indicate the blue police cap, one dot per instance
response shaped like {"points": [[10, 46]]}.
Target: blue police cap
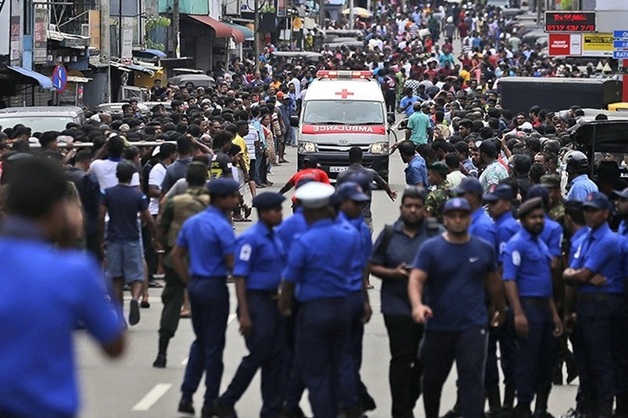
{"points": [[500, 192], [222, 187], [457, 203], [351, 191], [596, 200], [268, 200], [469, 185]]}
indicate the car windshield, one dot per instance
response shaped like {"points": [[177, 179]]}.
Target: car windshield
{"points": [[343, 112], [41, 123]]}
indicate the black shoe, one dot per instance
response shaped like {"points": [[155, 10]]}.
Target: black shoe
{"points": [[292, 413], [367, 403], [543, 414], [155, 284], [186, 406], [222, 410], [160, 361], [144, 304], [134, 313], [453, 413]]}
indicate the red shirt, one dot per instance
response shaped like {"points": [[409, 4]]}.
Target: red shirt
{"points": [[315, 174]]}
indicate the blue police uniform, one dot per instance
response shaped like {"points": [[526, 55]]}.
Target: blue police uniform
{"points": [[416, 172], [581, 186], [289, 230], [506, 226], [260, 259], [623, 228], [208, 238], [482, 226], [601, 316], [322, 277], [527, 261], [552, 236], [45, 292], [356, 302]]}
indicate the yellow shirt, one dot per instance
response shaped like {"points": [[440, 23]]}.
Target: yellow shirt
{"points": [[239, 141], [466, 75]]}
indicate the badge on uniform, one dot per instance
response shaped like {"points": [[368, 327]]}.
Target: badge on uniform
{"points": [[516, 258], [245, 252]]}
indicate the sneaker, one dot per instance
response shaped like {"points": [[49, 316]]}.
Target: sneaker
{"points": [[186, 406], [160, 361], [367, 403], [134, 313]]}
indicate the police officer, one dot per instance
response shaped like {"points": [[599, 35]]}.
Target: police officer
{"points": [[596, 304], [622, 210], [481, 224], [450, 299], [528, 284], [393, 254], [577, 169], [176, 211], [320, 273], [556, 209], [259, 261], [438, 194], [207, 239], [350, 199], [499, 203], [552, 233]]}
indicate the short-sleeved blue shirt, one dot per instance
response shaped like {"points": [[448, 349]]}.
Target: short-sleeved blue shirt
{"points": [[44, 293], [320, 269], [623, 228], [209, 238], [552, 235], [416, 172], [581, 186], [292, 228], [576, 243], [601, 252], [482, 226], [359, 263], [506, 227], [454, 289], [260, 258], [123, 203], [527, 261]]}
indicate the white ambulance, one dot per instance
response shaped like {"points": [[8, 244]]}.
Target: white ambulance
{"points": [[340, 110]]}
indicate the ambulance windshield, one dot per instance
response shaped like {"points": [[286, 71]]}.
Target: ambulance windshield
{"points": [[343, 112]]}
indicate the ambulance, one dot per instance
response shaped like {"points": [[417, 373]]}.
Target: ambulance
{"points": [[340, 110]]}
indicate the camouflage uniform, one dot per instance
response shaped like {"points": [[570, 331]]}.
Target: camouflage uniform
{"points": [[557, 212], [178, 209], [436, 200]]}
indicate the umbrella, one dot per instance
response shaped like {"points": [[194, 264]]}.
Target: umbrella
{"points": [[358, 11]]}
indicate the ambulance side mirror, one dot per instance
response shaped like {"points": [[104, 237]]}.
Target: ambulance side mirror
{"points": [[391, 118], [294, 121]]}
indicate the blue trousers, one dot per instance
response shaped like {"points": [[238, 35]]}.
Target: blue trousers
{"points": [[323, 326], [293, 387], [438, 351], [536, 355], [353, 362], [209, 302], [505, 336], [601, 357], [266, 351]]}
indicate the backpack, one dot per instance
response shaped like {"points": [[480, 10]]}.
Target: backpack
{"points": [[431, 228]]}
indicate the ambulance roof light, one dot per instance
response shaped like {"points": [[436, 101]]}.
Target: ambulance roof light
{"points": [[344, 74]]}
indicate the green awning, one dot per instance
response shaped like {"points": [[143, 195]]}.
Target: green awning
{"points": [[248, 33]]}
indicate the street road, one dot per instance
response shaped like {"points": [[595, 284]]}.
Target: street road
{"points": [[131, 387]]}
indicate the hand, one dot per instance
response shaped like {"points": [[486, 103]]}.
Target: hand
{"points": [[156, 245], [569, 322], [368, 312], [598, 280], [393, 195], [401, 272], [498, 318], [521, 326], [558, 327], [245, 325], [421, 314]]}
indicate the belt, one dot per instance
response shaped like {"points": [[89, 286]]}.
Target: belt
{"points": [[272, 294], [537, 301], [597, 297], [199, 277]]}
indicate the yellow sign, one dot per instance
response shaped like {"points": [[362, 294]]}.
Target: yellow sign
{"points": [[597, 44], [94, 28]]}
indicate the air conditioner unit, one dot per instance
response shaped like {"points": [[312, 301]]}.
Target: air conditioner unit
{"points": [[232, 7]]}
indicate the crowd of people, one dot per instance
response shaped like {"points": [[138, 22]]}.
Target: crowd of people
{"points": [[502, 237]]}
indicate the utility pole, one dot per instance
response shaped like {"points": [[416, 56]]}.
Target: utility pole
{"points": [[256, 37], [175, 27], [105, 46], [351, 16], [321, 15]]}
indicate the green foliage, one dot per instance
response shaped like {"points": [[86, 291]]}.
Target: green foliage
{"points": [[151, 25]]}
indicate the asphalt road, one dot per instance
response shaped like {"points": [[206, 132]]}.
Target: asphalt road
{"points": [[131, 387]]}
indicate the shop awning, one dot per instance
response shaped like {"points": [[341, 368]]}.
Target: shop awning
{"points": [[249, 35], [150, 53], [69, 40], [43, 80], [223, 30]]}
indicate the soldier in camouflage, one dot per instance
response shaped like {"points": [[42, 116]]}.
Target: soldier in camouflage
{"points": [[557, 209], [176, 211], [439, 190]]}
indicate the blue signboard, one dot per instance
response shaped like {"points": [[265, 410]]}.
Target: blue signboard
{"points": [[60, 78], [620, 44], [620, 55], [620, 34]]}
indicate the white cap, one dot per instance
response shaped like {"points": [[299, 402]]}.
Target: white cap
{"points": [[314, 195]]}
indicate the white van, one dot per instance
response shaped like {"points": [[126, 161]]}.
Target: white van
{"points": [[343, 109]]}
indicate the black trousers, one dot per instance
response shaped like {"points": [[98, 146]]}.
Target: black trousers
{"points": [[404, 373]]}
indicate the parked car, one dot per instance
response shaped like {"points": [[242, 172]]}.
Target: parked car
{"points": [[197, 80], [42, 118], [116, 108]]}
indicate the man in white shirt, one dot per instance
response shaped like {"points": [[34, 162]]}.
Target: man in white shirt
{"points": [[166, 154], [105, 170]]}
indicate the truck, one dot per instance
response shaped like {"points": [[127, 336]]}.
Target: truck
{"points": [[340, 110]]}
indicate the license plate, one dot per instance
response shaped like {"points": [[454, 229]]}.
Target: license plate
{"points": [[337, 169]]}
